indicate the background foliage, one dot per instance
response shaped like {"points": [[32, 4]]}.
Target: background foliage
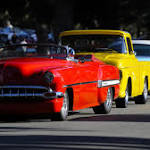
{"points": [[59, 15]]}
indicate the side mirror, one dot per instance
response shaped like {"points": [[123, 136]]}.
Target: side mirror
{"points": [[134, 53]]}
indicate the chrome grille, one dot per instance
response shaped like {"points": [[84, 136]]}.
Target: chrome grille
{"points": [[22, 91]]}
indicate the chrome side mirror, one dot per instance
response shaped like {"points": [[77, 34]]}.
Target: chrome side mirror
{"points": [[134, 53]]}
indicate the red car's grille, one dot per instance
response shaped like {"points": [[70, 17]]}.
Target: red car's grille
{"points": [[21, 92]]}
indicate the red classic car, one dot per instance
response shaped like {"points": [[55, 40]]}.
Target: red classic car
{"points": [[45, 79]]}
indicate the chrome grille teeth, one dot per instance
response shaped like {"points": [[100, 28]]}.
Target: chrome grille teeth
{"points": [[10, 92], [22, 91], [2, 91]]}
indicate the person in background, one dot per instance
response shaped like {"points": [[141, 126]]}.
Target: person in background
{"points": [[23, 41], [8, 25], [14, 39]]}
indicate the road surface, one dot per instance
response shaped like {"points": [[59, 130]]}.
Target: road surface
{"points": [[122, 129]]}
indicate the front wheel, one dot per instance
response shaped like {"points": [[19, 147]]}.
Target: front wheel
{"points": [[62, 115], [123, 102], [105, 108], [142, 99]]}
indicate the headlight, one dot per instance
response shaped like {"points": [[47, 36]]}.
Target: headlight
{"points": [[48, 76]]}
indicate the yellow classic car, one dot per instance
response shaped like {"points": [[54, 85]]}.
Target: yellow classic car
{"points": [[114, 47]]}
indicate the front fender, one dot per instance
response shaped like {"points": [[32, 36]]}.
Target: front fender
{"points": [[109, 76], [123, 83]]}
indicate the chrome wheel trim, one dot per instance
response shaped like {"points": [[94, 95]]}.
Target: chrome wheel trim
{"points": [[64, 108], [109, 99], [127, 97], [145, 91]]}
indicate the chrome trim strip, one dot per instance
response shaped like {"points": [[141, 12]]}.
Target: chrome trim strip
{"points": [[18, 93], [23, 86], [82, 83], [58, 95], [22, 95], [101, 83], [104, 83]]}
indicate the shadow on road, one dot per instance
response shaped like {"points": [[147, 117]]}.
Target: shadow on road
{"points": [[72, 143], [106, 117], [115, 117]]}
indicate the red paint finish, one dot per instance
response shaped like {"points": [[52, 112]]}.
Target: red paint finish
{"points": [[28, 108], [81, 78]]}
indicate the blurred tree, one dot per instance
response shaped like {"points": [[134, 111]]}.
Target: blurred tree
{"points": [[45, 16], [41, 14], [134, 16], [60, 15], [97, 14]]}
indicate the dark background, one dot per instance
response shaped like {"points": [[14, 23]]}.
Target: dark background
{"points": [[59, 15]]}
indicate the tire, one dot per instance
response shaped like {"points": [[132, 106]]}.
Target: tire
{"points": [[105, 108], [62, 115], [123, 102], [142, 99]]}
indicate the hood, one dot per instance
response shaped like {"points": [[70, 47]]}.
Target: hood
{"points": [[26, 70], [119, 60], [110, 58]]}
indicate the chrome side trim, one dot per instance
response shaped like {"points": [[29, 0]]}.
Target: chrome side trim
{"points": [[100, 83], [105, 83], [82, 83]]}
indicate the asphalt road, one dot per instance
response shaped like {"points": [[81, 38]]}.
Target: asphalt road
{"points": [[122, 129]]}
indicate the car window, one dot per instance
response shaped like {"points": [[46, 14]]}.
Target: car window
{"points": [[141, 49], [95, 43]]}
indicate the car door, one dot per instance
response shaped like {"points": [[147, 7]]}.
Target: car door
{"points": [[88, 75], [135, 70]]}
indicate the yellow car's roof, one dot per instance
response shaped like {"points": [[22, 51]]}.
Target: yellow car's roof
{"points": [[88, 32]]}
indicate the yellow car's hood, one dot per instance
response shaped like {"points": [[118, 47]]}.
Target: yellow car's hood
{"points": [[117, 59]]}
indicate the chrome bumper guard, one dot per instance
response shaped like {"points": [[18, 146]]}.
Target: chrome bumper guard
{"points": [[28, 91]]}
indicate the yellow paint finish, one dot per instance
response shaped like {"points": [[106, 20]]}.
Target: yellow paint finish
{"points": [[127, 63]]}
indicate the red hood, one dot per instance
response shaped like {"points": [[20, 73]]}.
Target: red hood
{"points": [[21, 69]]}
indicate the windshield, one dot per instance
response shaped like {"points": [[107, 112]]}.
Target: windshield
{"points": [[141, 49], [95, 43], [33, 50]]}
